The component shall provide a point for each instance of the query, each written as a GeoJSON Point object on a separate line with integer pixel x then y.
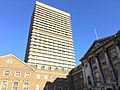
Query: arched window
{"type": "Point", "coordinates": [89, 80]}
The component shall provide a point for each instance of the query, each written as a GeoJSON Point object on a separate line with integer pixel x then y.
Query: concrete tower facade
{"type": "Point", "coordinates": [50, 43]}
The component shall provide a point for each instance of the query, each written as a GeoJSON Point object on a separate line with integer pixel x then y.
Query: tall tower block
{"type": "Point", "coordinates": [50, 42]}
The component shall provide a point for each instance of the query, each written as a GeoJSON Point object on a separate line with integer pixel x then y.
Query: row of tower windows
{"type": "Point", "coordinates": [46, 52]}
{"type": "Point", "coordinates": [51, 11]}
{"type": "Point", "coordinates": [51, 67]}
{"type": "Point", "coordinates": [51, 51]}
{"type": "Point", "coordinates": [51, 59]}
{"type": "Point", "coordinates": [64, 20]}
{"type": "Point", "coordinates": [51, 45]}
{"type": "Point", "coordinates": [52, 20]}
{"type": "Point", "coordinates": [37, 33]}
{"type": "Point", "coordinates": [51, 14]}
{"type": "Point", "coordinates": [48, 29]}
{"type": "Point", "coordinates": [65, 29]}
{"type": "Point", "coordinates": [56, 40]}
{"type": "Point", "coordinates": [45, 60]}
{"type": "Point", "coordinates": [70, 58]}
{"type": "Point", "coordinates": [53, 30]}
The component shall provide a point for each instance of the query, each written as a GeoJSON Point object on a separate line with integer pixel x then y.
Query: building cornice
{"type": "Point", "coordinates": [52, 8]}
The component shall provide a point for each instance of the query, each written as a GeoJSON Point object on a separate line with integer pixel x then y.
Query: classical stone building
{"type": "Point", "coordinates": [57, 84]}
{"type": "Point", "coordinates": [75, 79]}
{"type": "Point", "coordinates": [101, 64]}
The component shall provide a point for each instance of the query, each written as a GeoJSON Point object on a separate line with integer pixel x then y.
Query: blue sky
{"type": "Point", "coordinates": [86, 15]}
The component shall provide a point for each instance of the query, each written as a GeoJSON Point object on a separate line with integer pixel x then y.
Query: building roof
{"type": "Point", "coordinates": [52, 8]}
{"type": "Point", "coordinates": [99, 43]}
{"type": "Point", "coordinates": [18, 60]}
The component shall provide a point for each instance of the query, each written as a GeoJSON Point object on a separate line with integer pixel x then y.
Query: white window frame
{"type": "Point", "coordinates": [10, 61]}
{"type": "Point", "coordinates": [15, 74]}
{"type": "Point", "coordinates": [24, 84]}
{"type": "Point", "coordinates": [37, 87]}
{"type": "Point", "coordinates": [26, 76]}
{"type": "Point", "coordinates": [5, 72]}
{"type": "Point", "coordinates": [2, 83]}
{"type": "Point", "coordinates": [13, 85]}
{"type": "Point", "coordinates": [37, 76]}
{"type": "Point", "coordinates": [46, 77]}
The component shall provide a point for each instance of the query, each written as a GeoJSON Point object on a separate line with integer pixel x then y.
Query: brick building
{"type": "Point", "coordinates": [15, 74]}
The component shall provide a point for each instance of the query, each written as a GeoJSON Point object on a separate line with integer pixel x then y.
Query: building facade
{"type": "Point", "coordinates": [75, 79]}
{"type": "Point", "coordinates": [50, 45]}
{"type": "Point", "coordinates": [15, 74]}
{"type": "Point", "coordinates": [49, 53]}
{"type": "Point", "coordinates": [50, 49]}
{"type": "Point", "coordinates": [100, 66]}
{"type": "Point", "coordinates": [44, 76]}
{"type": "Point", "coordinates": [58, 84]}
{"type": "Point", "coordinates": [50, 56]}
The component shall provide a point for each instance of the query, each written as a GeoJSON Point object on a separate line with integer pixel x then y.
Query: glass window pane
{"type": "Point", "coordinates": [4, 85]}
{"type": "Point", "coordinates": [25, 86]}
{"type": "Point", "coordinates": [7, 73]}
{"type": "Point", "coordinates": [15, 86]}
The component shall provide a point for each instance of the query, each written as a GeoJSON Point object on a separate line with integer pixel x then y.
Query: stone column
{"type": "Point", "coordinates": [118, 54]}
{"type": "Point", "coordinates": [108, 61]}
{"type": "Point", "coordinates": [99, 69]}
{"type": "Point", "coordinates": [54, 87]}
{"type": "Point", "coordinates": [84, 75]}
{"type": "Point", "coordinates": [91, 73]}
{"type": "Point", "coordinates": [117, 49]}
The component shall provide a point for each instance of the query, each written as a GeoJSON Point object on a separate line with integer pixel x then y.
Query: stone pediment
{"type": "Point", "coordinates": [97, 44]}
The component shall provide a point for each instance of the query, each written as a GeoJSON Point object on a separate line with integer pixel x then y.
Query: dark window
{"type": "Point", "coordinates": [89, 80]}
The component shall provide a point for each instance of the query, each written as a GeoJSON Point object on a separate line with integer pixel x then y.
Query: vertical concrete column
{"type": "Point", "coordinates": [109, 64]}
{"type": "Point", "coordinates": [99, 69]}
